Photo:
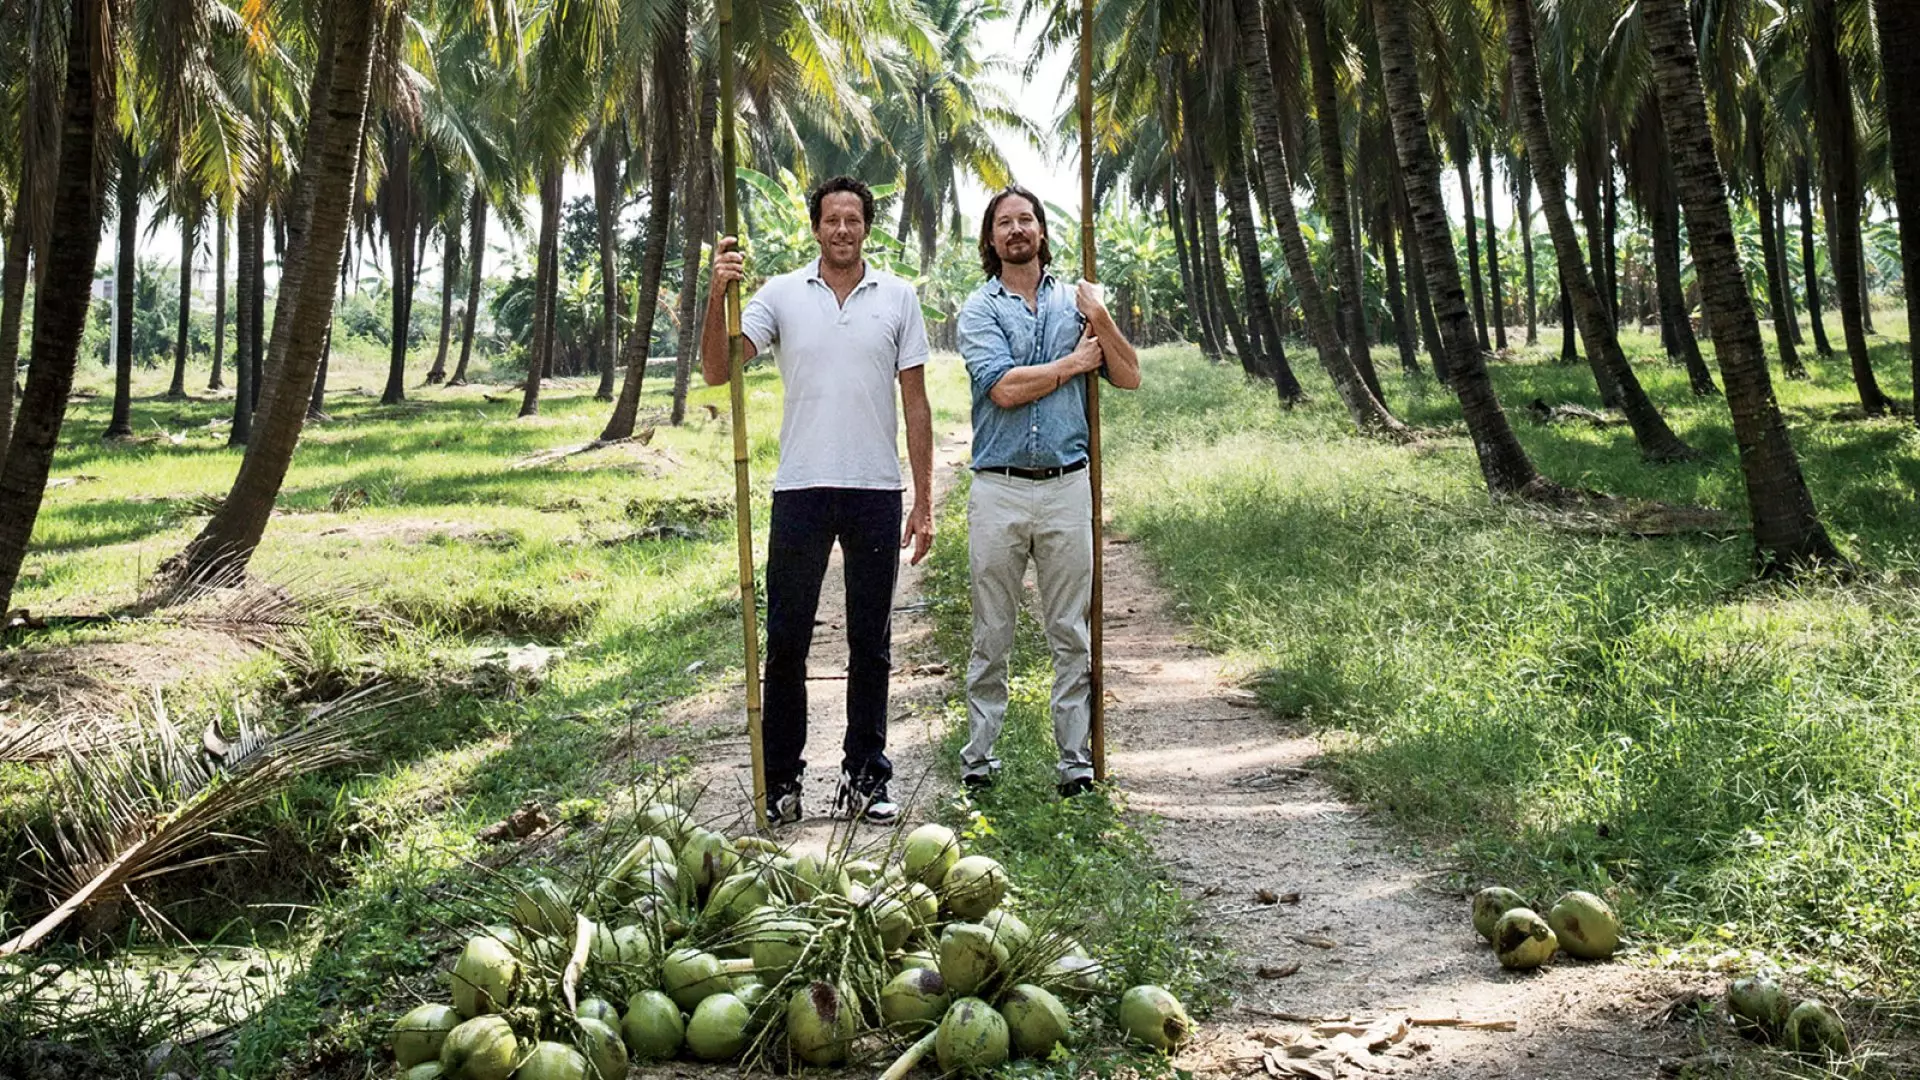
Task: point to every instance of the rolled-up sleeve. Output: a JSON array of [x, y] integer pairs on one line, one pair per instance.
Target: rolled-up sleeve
[[913, 349], [757, 320], [983, 345]]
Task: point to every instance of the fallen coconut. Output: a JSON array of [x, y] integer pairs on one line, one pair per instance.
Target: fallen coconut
[[666, 821], [1523, 940], [705, 858], [1081, 976], [593, 1008], [864, 871], [924, 903], [483, 1048], [1585, 926], [612, 945], [484, 977], [969, 957], [821, 1022], [929, 852], [736, 896], [914, 1000], [718, 1029], [1758, 1001], [418, 1035], [689, 975], [1491, 903], [778, 943], [974, 886], [1036, 1020], [543, 908], [972, 1038], [606, 1055], [916, 959], [1008, 929], [894, 921], [1815, 1029], [1151, 1016], [552, 1061], [426, 1070], [652, 1027], [813, 875]]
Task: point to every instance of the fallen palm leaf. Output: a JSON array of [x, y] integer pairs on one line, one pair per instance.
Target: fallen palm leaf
[[147, 807]]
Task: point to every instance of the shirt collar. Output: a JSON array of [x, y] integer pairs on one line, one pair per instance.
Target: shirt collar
[[867, 276], [1046, 282]]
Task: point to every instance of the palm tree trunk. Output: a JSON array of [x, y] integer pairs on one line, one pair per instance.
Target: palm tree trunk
[[605, 178], [400, 220], [545, 269], [1840, 177], [694, 197], [1657, 441], [1664, 221], [243, 315], [1810, 263], [214, 380], [1417, 285], [1349, 291], [1461, 156], [449, 279], [317, 401], [257, 287], [1523, 192], [662, 162], [126, 284], [1253, 277], [1212, 309], [1586, 195], [1783, 249], [476, 251], [1900, 66], [1365, 409], [13, 296], [1396, 295], [1786, 529], [1227, 311], [1569, 352], [183, 336], [1866, 282], [61, 300], [1498, 306], [323, 201], [1777, 288], [1503, 461], [1610, 230], [1189, 281]]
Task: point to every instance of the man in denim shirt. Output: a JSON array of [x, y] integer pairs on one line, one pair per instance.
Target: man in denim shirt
[[1027, 340]]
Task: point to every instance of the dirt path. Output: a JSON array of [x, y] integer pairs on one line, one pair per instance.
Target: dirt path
[[1373, 935]]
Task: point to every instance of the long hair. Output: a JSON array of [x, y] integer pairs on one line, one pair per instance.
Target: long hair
[[989, 258]]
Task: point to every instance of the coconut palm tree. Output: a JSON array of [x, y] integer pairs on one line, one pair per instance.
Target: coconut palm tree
[[1504, 463], [1900, 75], [1657, 440], [1787, 532], [1331, 186]]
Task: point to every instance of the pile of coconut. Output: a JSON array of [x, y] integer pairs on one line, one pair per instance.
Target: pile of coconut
[[1760, 1007], [1579, 924], [691, 944]]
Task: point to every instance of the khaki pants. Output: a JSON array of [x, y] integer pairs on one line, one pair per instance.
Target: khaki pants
[[1010, 522]]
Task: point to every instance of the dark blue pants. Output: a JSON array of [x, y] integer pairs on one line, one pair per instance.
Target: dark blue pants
[[806, 523]]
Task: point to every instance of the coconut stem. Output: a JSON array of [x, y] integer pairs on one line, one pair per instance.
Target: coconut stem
[[904, 1064]]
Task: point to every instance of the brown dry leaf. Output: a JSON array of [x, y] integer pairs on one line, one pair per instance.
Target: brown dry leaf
[[1265, 896], [1318, 941], [1278, 971]]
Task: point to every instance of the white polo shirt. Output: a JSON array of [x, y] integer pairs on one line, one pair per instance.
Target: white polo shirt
[[840, 364]]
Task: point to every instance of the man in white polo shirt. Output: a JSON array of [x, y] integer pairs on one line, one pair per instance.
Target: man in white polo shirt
[[843, 333]]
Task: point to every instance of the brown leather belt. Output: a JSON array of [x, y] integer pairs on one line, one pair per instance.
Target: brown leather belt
[[1035, 474]]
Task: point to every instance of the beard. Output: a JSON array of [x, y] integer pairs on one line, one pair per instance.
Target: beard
[[1020, 257]]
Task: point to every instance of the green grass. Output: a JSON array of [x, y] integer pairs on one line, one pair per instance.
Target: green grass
[[1734, 763]]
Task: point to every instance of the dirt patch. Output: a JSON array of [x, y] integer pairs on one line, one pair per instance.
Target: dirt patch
[[409, 531], [93, 679]]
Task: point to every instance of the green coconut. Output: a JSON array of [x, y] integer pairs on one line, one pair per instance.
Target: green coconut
[[646, 851], [972, 1038], [776, 944], [718, 1029], [705, 858], [689, 975], [630, 945], [1586, 927], [484, 977], [681, 791], [894, 921], [426, 1070], [552, 1061], [652, 1027], [593, 1008], [918, 959], [929, 852], [1036, 1020], [606, 1054], [864, 871], [816, 874], [1815, 1029], [924, 903], [1523, 940], [544, 908], [1757, 1001], [1008, 929], [751, 994], [737, 896], [969, 956], [1151, 1016], [1081, 976], [822, 1020], [914, 1000], [974, 886], [666, 821], [759, 845], [505, 935], [1491, 903], [417, 1036], [482, 1048]]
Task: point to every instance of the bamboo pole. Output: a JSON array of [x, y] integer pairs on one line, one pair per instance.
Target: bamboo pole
[[736, 366], [1096, 606]]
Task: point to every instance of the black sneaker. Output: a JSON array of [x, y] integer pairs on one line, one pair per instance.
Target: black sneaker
[[977, 782], [868, 803], [1079, 785], [783, 804]]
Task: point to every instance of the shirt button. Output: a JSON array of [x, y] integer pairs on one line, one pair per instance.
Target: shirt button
[[1036, 427]]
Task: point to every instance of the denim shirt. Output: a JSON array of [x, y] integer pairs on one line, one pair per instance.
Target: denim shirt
[[997, 334]]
